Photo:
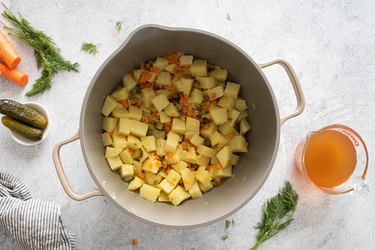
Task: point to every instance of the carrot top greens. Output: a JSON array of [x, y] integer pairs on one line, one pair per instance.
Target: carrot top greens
[[47, 54]]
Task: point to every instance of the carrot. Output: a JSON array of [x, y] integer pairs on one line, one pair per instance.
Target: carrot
[[213, 96], [8, 53], [124, 102], [206, 105], [134, 242], [217, 166], [141, 175], [15, 76], [154, 69]]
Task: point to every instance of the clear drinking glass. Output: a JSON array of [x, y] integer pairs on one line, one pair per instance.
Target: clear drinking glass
[[357, 180]]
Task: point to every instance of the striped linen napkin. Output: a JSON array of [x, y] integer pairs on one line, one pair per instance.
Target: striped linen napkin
[[33, 223]]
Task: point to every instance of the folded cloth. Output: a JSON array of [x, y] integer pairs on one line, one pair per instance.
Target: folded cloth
[[33, 223]]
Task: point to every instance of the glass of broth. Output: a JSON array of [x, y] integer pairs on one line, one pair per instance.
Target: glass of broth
[[334, 159]]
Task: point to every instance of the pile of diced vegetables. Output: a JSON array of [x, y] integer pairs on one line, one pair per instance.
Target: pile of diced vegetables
[[173, 128]]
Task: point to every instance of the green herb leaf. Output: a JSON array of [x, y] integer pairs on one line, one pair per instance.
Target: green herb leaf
[[90, 48], [118, 26], [47, 54], [228, 17], [227, 224], [224, 237], [277, 214]]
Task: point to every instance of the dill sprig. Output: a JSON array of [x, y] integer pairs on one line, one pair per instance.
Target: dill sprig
[[118, 26], [90, 48], [277, 214], [47, 54]]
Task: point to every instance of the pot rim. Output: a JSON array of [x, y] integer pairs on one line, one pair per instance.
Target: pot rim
[[88, 93]]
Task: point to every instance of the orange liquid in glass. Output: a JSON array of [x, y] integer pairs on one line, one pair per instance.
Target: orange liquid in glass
[[330, 158]]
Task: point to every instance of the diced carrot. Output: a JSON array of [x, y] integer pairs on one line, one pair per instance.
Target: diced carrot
[[134, 242], [124, 102], [148, 75], [206, 105], [206, 126], [154, 69], [190, 112], [158, 164], [141, 175], [15, 76], [167, 126], [8, 53], [217, 166], [213, 96], [184, 100]]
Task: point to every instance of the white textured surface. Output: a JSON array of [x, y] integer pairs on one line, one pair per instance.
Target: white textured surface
[[330, 44]]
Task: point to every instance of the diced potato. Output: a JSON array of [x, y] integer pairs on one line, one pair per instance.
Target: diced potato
[[192, 124], [172, 142], [160, 102], [208, 130], [173, 158], [119, 141], [238, 144], [240, 104], [214, 160], [203, 160], [178, 195], [196, 140], [114, 163], [109, 105], [170, 67], [126, 156], [215, 92], [226, 102], [179, 166], [144, 154], [149, 192], [206, 151], [219, 74], [109, 123], [135, 183], [127, 172], [188, 178], [137, 73], [120, 112], [173, 177], [227, 129], [147, 94], [164, 78], [224, 156], [166, 186], [177, 84], [235, 159], [218, 139], [242, 115], [199, 68], [219, 115], [196, 96], [152, 179], [106, 139], [203, 176], [163, 197], [206, 82], [171, 110], [195, 191], [149, 142], [190, 156], [135, 113], [186, 60], [157, 133], [222, 172], [160, 63], [151, 165], [164, 118], [189, 134], [125, 126], [139, 128], [186, 85], [120, 94], [129, 82], [232, 90], [111, 152], [132, 140], [205, 187], [233, 115], [178, 126], [137, 167], [244, 126], [160, 144]]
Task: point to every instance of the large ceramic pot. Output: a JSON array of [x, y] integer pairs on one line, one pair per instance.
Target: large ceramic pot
[[148, 42]]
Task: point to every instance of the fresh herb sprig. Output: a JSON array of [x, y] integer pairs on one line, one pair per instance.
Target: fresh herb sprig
[[228, 223], [47, 54], [118, 26], [277, 214], [90, 48]]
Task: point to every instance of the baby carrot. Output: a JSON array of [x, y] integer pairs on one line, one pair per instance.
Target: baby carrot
[[8, 53], [15, 76]]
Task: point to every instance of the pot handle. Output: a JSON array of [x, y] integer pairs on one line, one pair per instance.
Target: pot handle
[[296, 86], [61, 173]]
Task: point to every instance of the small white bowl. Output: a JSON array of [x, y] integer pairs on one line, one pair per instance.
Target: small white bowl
[[25, 141]]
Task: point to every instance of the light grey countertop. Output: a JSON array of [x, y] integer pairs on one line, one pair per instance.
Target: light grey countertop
[[329, 43]]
